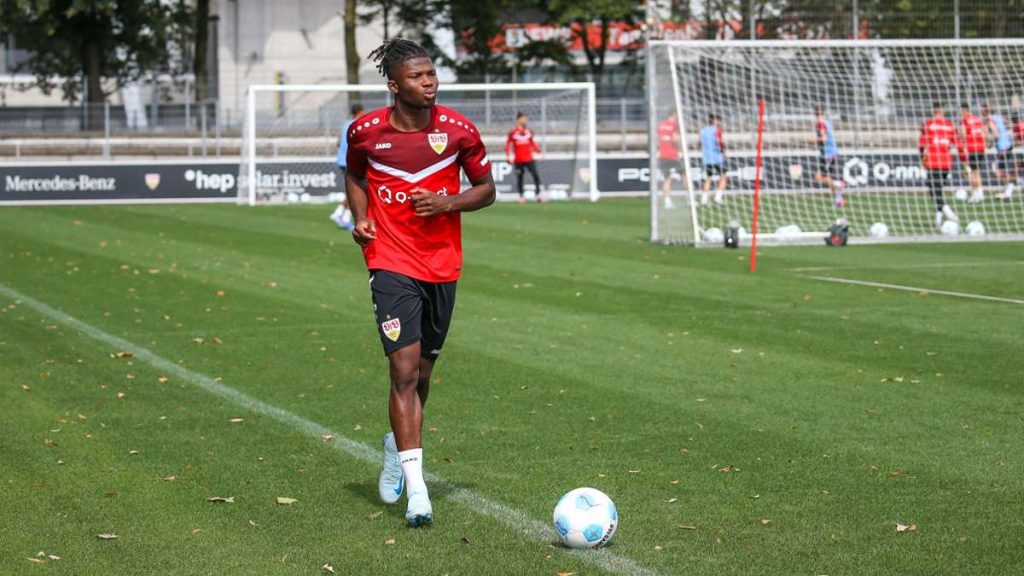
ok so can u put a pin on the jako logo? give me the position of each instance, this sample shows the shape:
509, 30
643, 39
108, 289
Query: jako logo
382, 146
203, 181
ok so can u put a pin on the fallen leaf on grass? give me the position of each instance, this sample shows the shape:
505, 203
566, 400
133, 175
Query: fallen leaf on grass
736, 350
219, 293
566, 573
107, 536
327, 568
765, 521
686, 527
375, 515
389, 541
327, 437
53, 557
122, 354
35, 560
26, 388
726, 469
228, 500
906, 527
464, 540
133, 452
121, 395
170, 478
236, 420
671, 500
285, 501
658, 548
161, 379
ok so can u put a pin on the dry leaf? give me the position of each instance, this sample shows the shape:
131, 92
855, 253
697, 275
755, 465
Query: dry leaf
737, 350
906, 528
389, 541
674, 482
566, 573
35, 560
170, 478
228, 500
636, 471
327, 437
107, 536
686, 527
121, 395
26, 388
123, 354
658, 548
285, 501
219, 293
161, 379
464, 540
327, 568
671, 500
765, 521
236, 420
133, 452
726, 469
53, 557
375, 515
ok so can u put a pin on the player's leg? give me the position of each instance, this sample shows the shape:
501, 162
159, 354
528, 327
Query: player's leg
405, 409
975, 161
519, 182
1006, 175
666, 184
532, 166
835, 182
722, 181
705, 188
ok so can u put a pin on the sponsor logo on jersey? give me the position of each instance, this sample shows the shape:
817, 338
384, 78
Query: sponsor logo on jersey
392, 328
382, 146
152, 181
438, 141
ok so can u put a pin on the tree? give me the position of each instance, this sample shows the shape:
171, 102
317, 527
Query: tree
90, 48
202, 47
580, 14
351, 54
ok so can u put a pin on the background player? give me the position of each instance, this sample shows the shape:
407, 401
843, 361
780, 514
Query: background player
972, 134
1004, 150
937, 136
519, 147
668, 154
828, 155
713, 158
406, 201
342, 216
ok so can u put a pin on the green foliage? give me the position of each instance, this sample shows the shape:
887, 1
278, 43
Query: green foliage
73, 44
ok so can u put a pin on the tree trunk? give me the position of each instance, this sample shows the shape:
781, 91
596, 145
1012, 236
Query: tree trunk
92, 70
202, 30
351, 53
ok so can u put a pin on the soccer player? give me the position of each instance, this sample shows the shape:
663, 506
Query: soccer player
342, 216
403, 184
713, 158
972, 133
1004, 149
519, 147
668, 154
937, 136
828, 155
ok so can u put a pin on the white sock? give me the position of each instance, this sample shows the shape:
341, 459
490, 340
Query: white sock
346, 216
412, 467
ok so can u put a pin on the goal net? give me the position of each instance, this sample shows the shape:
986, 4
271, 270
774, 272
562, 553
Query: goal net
843, 126
291, 136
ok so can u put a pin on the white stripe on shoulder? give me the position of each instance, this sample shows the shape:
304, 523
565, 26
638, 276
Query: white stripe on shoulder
413, 178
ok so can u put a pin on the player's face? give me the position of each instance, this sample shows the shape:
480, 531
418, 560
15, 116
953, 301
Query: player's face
522, 120
415, 83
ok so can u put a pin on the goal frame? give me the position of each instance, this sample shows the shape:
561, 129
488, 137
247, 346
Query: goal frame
588, 88
807, 237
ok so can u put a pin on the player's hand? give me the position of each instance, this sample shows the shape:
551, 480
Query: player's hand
510, 160
364, 231
426, 203
967, 171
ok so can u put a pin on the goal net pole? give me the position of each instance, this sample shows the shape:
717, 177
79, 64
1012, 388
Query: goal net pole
252, 159
757, 185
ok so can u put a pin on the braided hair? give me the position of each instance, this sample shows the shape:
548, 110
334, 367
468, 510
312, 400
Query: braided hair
395, 51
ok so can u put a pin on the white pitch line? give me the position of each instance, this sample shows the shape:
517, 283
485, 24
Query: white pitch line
915, 289
939, 265
515, 519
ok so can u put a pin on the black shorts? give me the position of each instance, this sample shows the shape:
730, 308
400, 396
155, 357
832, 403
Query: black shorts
411, 311
975, 160
829, 166
714, 170
1004, 159
937, 177
666, 165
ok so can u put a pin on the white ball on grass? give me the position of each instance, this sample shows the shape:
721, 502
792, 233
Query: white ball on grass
879, 230
961, 194
714, 236
950, 228
975, 228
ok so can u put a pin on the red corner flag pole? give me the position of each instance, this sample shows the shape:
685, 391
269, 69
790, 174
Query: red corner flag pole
757, 185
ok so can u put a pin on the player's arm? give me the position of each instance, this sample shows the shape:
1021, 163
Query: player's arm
365, 229
480, 195
509, 147
922, 143
721, 142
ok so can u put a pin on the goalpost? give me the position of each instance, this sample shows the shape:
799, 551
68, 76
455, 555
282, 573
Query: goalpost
876, 95
291, 134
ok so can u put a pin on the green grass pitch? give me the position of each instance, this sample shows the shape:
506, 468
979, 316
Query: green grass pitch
764, 423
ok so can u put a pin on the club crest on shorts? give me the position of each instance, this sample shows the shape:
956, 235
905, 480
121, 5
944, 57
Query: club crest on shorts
392, 328
438, 141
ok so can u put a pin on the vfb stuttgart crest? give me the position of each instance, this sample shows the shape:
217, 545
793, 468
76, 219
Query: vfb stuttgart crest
392, 328
438, 141
152, 181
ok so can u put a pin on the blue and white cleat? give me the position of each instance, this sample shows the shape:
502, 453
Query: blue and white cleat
419, 512
392, 481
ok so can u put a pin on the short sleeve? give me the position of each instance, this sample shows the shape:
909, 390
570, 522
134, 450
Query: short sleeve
473, 156
355, 158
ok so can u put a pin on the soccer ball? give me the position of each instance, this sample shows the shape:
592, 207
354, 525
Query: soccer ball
961, 194
975, 228
714, 236
788, 232
950, 228
585, 518
879, 230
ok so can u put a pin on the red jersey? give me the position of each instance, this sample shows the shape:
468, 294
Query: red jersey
937, 136
974, 133
520, 143
1018, 131
668, 133
395, 162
